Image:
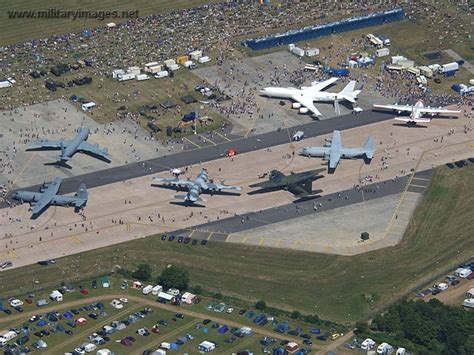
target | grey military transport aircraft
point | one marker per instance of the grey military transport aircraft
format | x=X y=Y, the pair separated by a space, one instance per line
x=299 y=184
x=48 y=195
x=70 y=147
x=333 y=151
x=202 y=183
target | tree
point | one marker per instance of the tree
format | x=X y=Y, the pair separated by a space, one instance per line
x=261 y=305
x=143 y=272
x=361 y=328
x=174 y=277
x=295 y=315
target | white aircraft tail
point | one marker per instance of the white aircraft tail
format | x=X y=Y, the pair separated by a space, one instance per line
x=348 y=93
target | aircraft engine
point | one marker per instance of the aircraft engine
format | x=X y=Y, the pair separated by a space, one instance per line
x=303 y=110
x=296 y=105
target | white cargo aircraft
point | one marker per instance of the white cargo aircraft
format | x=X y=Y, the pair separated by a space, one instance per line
x=416 y=112
x=304 y=98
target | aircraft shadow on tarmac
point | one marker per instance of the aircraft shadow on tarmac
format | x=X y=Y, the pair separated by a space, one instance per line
x=186 y=204
x=59 y=164
x=409 y=125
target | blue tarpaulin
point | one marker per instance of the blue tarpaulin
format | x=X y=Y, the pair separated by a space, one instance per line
x=174 y=346
x=41 y=323
x=313 y=32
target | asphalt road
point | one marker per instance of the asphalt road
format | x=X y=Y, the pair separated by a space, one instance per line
x=219 y=230
x=208 y=153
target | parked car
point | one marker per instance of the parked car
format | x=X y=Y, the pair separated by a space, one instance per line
x=6 y=264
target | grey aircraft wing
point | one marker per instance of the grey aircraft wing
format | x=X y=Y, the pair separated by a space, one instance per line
x=218 y=187
x=47 y=144
x=174 y=182
x=94 y=149
x=47 y=195
x=335 y=149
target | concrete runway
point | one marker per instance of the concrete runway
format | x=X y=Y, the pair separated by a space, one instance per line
x=213 y=152
x=219 y=230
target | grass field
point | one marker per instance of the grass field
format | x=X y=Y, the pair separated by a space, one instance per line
x=19 y=30
x=335 y=287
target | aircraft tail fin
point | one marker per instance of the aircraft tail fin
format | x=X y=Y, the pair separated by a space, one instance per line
x=63 y=151
x=348 y=93
x=369 y=147
x=414 y=120
x=190 y=199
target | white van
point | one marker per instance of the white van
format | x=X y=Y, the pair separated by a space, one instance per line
x=298 y=135
x=147 y=289
x=156 y=290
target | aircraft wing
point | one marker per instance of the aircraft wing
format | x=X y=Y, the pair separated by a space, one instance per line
x=321 y=85
x=409 y=119
x=301 y=189
x=174 y=182
x=406 y=108
x=334 y=158
x=436 y=110
x=47 y=144
x=53 y=188
x=219 y=187
x=307 y=102
x=94 y=149
x=43 y=201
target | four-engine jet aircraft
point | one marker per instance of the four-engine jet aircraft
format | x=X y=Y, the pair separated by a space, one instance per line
x=71 y=147
x=48 y=195
x=416 y=112
x=201 y=184
x=299 y=184
x=304 y=98
x=333 y=151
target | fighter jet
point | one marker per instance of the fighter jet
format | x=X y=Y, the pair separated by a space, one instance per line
x=300 y=184
x=48 y=195
x=333 y=151
x=71 y=147
x=201 y=184
x=416 y=112
x=304 y=98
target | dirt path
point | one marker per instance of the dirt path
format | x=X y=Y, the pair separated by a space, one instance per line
x=140 y=302
x=454 y=295
x=336 y=343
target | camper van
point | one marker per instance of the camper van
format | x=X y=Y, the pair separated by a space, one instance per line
x=147 y=289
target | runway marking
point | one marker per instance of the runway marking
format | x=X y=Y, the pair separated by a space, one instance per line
x=261 y=241
x=127 y=227
x=207 y=139
x=222 y=136
x=26 y=165
x=209 y=236
x=77 y=240
x=190 y=141
x=12 y=254
x=414 y=185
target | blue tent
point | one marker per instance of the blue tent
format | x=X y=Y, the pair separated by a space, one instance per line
x=68 y=315
x=174 y=346
x=41 y=323
x=224 y=329
x=190 y=117
x=278 y=351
